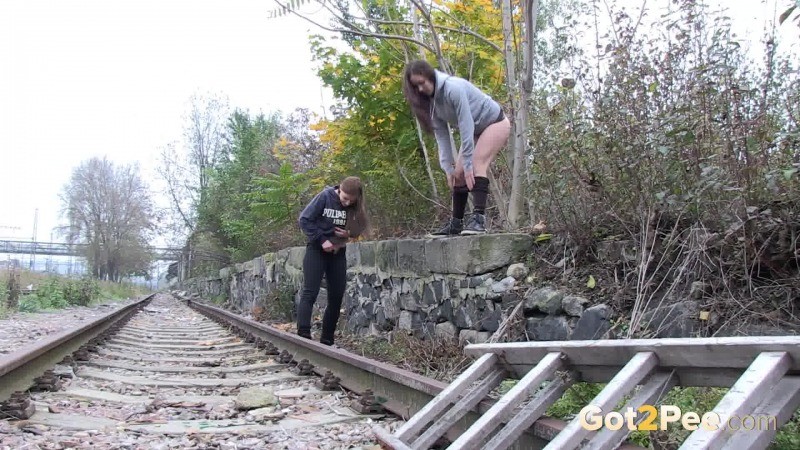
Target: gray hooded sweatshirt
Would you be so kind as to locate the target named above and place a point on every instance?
(458, 102)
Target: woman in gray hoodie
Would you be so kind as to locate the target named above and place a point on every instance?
(438, 99)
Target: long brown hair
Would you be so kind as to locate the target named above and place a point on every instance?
(419, 102)
(359, 224)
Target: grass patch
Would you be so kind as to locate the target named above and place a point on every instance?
(278, 306)
(119, 291)
(439, 359)
(576, 397)
(55, 292)
(381, 349)
(219, 299)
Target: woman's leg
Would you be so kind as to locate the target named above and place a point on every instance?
(489, 144)
(336, 274)
(312, 278)
(455, 224)
(460, 192)
(493, 138)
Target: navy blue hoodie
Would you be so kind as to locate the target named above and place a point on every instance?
(322, 215)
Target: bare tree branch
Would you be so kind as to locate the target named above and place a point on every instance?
(356, 30)
(443, 62)
(170, 178)
(403, 174)
(462, 29)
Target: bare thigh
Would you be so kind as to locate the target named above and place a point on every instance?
(493, 138)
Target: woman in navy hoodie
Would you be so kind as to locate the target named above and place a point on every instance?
(438, 99)
(329, 221)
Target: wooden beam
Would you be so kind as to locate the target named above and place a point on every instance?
(654, 389)
(530, 413)
(516, 395)
(389, 441)
(741, 399)
(446, 397)
(686, 376)
(781, 403)
(726, 353)
(460, 409)
(626, 380)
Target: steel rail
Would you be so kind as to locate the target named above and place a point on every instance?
(405, 392)
(19, 369)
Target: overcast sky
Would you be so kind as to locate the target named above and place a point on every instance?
(92, 78)
(103, 77)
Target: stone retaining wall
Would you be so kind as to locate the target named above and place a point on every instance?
(455, 288)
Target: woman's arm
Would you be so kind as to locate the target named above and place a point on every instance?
(466, 126)
(446, 161)
(308, 219)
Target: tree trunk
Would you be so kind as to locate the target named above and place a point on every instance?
(418, 35)
(520, 91)
(515, 140)
(531, 11)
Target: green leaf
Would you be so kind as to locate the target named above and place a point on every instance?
(543, 237)
(788, 173)
(591, 283)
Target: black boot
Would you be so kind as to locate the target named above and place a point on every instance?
(304, 333)
(475, 225)
(453, 227)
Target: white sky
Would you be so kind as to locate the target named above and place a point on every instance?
(96, 77)
(85, 78)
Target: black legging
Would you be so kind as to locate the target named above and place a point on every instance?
(316, 263)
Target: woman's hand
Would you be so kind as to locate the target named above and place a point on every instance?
(469, 177)
(328, 246)
(341, 232)
(460, 174)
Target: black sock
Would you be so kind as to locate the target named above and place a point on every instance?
(479, 193)
(460, 196)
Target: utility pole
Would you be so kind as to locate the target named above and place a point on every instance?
(49, 265)
(33, 246)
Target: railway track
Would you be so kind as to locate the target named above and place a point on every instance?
(172, 378)
(167, 373)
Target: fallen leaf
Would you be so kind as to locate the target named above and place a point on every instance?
(284, 326)
(591, 283)
(704, 315)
